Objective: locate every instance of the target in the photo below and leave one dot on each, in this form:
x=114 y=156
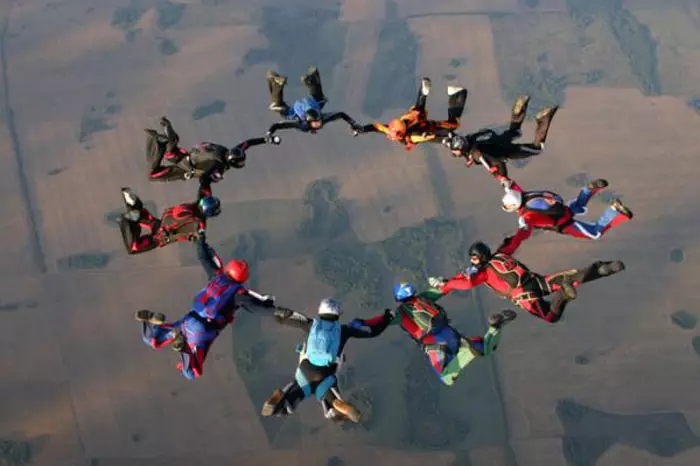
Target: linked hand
x=436 y=282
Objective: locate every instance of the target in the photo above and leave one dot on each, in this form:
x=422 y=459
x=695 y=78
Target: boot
x=270 y=405
x=131 y=200
x=456 y=102
x=500 y=319
x=312 y=80
x=517 y=114
x=544 y=120
x=621 y=208
x=276 y=83
x=425 y=86
x=347 y=410
x=608 y=268
x=597 y=184
x=145 y=315
x=178 y=343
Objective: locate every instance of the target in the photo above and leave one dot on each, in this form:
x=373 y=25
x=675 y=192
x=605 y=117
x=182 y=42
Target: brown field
x=617 y=377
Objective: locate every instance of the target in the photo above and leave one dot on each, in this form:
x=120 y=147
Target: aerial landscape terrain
x=615 y=383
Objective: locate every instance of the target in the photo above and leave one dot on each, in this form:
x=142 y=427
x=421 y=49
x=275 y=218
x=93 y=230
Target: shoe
x=277 y=78
x=452 y=90
x=310 y=75
x=621 y=208
x=520 y=104
x=597 y=184
x=568 y=290
x=610 y=268
x=276 y=108
x=271 y=403
x=425 y=86
x=154 y=318
x=347 y=410
x=130 y=198
x=178 y=343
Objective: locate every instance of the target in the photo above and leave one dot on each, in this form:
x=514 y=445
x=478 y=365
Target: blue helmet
x=210 y=206
x=404 y=291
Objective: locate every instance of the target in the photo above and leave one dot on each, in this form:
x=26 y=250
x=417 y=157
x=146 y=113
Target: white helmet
x=329 y=307
x=512 y=200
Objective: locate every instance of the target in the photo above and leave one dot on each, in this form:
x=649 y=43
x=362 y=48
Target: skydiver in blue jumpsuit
x=320 y=357
x=212 y=310
x=305 y=114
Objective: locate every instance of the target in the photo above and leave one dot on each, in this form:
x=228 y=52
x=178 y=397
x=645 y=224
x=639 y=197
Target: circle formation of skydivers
x=417 y=312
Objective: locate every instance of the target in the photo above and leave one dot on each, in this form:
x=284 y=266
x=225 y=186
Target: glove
x=506 y=183
x=390 y=313
x=273 y=139
x=436 y=282
x=267 y=300
x=216 y=177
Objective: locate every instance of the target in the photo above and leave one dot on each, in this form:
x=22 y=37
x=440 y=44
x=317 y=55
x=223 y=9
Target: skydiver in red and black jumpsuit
x=513 y=280
x=183 y=222
x=170 y=162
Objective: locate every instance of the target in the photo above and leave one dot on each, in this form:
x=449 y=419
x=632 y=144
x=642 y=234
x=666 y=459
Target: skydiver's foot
x=178 y=343
x=347 y=410
x=546 y=113
x=155 y=318
x=270 y=405
x=277 y=78
x=425 y=86
x=610 y=268
x=519 y=110
x=131 y=200
x=621 y=208
x=568 y=291
x=597 y=184
x=275 y=107
x=452 y=90
x=500 y=319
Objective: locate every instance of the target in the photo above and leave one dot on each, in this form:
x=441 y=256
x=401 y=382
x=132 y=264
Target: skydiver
x=545 y=210
x=427 y=323
x=213 y=308
x=492 y=150
x=170 y=162
x=511 y=279
x=414 y=127
x=183 y=222
x=305 y=114
x=319 y=359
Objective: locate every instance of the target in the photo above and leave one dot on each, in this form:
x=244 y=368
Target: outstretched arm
x=292 y=124
x=460 y=282
x=205 y=184
x=210 y=260
x=512 y=243
x=292 y=318
x=369 y=328
x=330 y=117
x=371 y=128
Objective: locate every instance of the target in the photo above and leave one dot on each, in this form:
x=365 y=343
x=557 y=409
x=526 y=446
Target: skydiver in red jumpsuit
x=513 y=280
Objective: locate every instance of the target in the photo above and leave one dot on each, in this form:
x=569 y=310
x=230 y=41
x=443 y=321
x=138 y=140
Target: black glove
x=282 y=313
x=389 y=314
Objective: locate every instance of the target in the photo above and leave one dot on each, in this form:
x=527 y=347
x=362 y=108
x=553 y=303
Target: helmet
x=235 y=158
x=210 y=206
x=512 y=200
x=329 y=307
x=403 y=291
x=480 y=250
x=312 y=115
x=397 y=129
x=237 y=270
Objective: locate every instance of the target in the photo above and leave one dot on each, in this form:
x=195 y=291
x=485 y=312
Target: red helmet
x=237 y=270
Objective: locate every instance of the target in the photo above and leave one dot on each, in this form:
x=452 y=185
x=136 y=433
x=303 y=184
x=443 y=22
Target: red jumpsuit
x=546 y=210
x=513 y=280
x=183 y=222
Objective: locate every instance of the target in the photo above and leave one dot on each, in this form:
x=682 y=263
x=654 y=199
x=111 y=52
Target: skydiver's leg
x=456 y=102
x=328 y=394
x=611 y=217
x=524 y=151
x=423 y=91
x=578 y=205
x=544 y=120
x=276 y=83
x=193 y=357
x=517 y=115
x=134 y=241
x=283 y=401
x=543 y=309
x=155 y=332
x=312 y=80
x=576 y=277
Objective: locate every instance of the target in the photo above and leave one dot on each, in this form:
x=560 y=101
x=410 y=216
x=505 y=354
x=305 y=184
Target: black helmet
x=312 y=115
x=480 y=250
x=236 y=158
